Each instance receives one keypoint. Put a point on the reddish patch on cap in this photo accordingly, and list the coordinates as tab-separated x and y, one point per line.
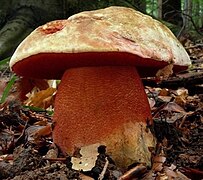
52	27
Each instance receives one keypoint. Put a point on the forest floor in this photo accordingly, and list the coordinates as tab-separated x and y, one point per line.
27	150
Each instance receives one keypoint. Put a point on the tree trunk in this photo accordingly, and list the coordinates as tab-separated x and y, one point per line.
4	9
171	11
196	12
160	9
187	14
140	5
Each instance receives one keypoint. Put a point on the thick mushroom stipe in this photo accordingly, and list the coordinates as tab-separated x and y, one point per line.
105	105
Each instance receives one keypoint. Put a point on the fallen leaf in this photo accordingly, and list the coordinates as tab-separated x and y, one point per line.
165	72
152	102
173	107
164	92
34	133
133	173
42	99
84	177
170	173
52	152
181	97
88	158
165	98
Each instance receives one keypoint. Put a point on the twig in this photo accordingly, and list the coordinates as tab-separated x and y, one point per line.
101	176
187	80
183	121
55	159
194	46
134	172
22	134
190	79
10	157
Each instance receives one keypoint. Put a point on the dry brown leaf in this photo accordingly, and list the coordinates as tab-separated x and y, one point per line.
88	158
158	163
84	177
173	107
42	99
25	85
42	84
165	98
173	112
165	72
52	152
181	98
6	140
44	131
171	173
134	173
152	102
164	92
34	133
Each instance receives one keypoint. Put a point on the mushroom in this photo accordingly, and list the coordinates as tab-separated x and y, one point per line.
99	56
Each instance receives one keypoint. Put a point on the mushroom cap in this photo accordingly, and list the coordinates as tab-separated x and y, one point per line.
114	36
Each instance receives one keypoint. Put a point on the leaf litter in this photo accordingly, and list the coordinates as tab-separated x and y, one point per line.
27	150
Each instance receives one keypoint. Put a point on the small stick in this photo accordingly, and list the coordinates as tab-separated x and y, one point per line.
10	157
134	172
101	176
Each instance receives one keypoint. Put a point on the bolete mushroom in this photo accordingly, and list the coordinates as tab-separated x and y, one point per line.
100	56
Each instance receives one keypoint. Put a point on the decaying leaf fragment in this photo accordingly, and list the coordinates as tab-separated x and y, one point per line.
42	99
181	97
134	173
165	72
34	133
172	173
88	158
